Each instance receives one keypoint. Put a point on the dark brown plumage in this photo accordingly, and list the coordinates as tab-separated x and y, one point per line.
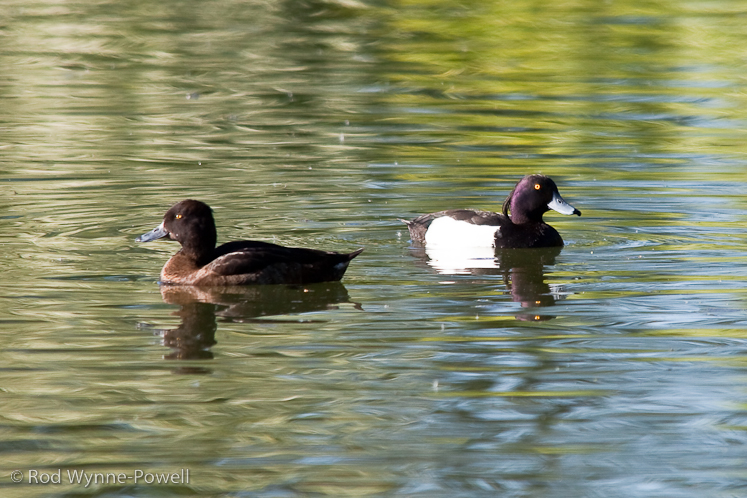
199	262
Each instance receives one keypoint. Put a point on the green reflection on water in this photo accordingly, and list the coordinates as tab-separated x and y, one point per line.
319	124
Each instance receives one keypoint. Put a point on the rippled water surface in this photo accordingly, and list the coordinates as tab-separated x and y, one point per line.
615	367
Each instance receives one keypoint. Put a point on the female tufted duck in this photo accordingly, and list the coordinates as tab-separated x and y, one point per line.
244	262
533	196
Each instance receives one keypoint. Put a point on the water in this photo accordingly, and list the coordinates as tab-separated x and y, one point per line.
615	367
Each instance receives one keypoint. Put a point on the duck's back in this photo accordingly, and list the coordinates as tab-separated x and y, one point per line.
468	228
249	262
452	220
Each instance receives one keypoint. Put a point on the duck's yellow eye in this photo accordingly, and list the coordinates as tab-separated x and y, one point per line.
537	186
178	217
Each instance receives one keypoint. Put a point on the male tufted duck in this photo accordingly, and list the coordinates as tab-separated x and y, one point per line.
244	262
533	196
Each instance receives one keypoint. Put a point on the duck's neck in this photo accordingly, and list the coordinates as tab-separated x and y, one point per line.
523	218
200	255
199	246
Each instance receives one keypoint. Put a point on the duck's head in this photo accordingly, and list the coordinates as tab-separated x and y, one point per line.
532	197
191	224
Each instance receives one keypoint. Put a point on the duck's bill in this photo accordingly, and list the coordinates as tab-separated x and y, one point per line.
157	233
558	204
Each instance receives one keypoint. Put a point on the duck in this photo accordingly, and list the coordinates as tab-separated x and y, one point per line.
523	228
200	263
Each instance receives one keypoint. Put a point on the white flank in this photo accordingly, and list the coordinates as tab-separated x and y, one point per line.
448	232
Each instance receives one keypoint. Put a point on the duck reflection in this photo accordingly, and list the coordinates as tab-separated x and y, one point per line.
200	308
194	337
524	276
522	271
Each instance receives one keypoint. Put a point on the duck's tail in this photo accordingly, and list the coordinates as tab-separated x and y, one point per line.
354	253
